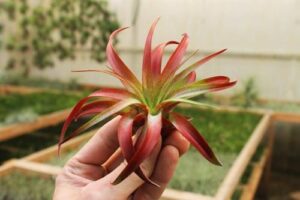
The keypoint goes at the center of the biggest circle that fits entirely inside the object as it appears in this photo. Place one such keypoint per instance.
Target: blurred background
(41, 42)
(262, 39)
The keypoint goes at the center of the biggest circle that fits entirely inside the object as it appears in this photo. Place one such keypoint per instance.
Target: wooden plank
(228, 98)
(15, 130)
(232, 178)
(4, 89)
(40, 168)
(90, 86)
(50, 152)
(283, 101)
(232, 109)
(170, 194)
(28, 168)
(238, 109)
(286, 117)
(277, 115)
(263, 187)
(250, 188)
(7, 167)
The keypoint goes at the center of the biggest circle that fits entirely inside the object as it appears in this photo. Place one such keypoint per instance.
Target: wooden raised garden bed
(25, 180)
(257, 168)
(42, 83)
(283, 110)
(215, 182)
(29, 143)
(6, 89)
(24, 109)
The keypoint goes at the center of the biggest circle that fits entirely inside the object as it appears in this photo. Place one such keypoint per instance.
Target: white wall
(262, 37)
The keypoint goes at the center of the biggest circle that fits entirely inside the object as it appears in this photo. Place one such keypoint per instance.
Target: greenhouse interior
(149, 99)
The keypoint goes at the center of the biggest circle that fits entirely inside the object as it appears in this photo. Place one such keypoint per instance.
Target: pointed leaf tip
(146, 72)
(194, 137)
(176, 58)
(117, 31)
(157, 55)
(117, 63)
(191, 77)
(194, 66)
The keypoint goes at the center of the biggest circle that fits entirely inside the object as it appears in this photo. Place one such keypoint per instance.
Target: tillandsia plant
(146, 106)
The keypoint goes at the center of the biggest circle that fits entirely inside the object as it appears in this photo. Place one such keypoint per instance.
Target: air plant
(146, 106)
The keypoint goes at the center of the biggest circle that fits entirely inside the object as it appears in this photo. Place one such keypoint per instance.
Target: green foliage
(237, 194)
(224, 131)
(38, 103)
(40, 82)
(42, 34)
(247, 174)
(292, 107)
(24, 145)
(26, 187)
(195, 174)
(227, 133)
(23, 115)
(247, 97)
(1, 26)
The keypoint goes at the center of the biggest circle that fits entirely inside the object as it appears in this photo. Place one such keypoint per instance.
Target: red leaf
(147, 76)
(223, 86)
(115, 61)
(128, 84)
(126, 143)
(96, 119)
(175, 59)
(191, 77)
(167, 128)
(114, 93)
(117, 94)
(151, 137)
(74, 113)
(216, 80)
(194, 137)
(157, 55)
(139, 120)
(194, 66)
(206, 83)
(203, 86)
(94, 107)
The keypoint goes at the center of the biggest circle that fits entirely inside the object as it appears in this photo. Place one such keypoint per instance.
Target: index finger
(101, 146)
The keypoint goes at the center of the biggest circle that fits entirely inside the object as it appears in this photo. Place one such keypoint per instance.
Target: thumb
(132, 182)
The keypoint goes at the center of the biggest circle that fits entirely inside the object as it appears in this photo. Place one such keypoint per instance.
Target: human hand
(84, 178)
